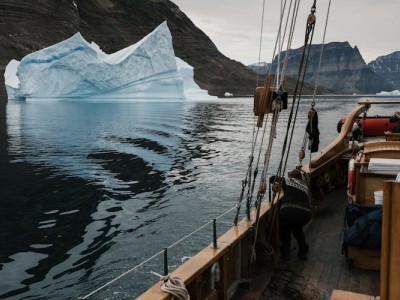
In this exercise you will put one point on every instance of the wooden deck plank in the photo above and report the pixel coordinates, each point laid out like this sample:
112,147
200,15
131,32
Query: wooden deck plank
327,278
344,283
326,268
344,295
355,282
365,282
326,230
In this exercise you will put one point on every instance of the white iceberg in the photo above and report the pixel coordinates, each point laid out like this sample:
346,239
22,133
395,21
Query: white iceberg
191,89
75,68
392,93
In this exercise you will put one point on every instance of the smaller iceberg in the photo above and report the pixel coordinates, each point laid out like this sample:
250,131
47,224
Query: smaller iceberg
75,68
392,93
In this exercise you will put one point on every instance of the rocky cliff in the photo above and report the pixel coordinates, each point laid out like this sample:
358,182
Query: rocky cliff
343,69
116,24
388,67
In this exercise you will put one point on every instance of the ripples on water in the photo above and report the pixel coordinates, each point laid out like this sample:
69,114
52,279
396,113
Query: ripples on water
89,190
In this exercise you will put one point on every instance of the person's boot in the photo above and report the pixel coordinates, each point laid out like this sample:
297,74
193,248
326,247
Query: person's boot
303,252
285,255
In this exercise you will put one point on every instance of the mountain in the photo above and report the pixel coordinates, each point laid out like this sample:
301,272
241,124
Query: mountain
342,69
260,68
114,25
388,67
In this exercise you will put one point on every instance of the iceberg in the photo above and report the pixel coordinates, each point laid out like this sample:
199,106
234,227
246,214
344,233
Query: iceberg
392,93
75,68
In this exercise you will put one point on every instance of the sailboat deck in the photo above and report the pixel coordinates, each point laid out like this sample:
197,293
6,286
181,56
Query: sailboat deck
326,268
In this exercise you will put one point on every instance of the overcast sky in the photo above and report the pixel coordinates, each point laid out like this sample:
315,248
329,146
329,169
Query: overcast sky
234,25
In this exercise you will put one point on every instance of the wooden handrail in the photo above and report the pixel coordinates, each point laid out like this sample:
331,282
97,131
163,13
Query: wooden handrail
193,269
369,102
340,142
390,261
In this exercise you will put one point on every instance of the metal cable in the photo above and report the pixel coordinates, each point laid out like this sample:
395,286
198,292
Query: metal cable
155,255
261,38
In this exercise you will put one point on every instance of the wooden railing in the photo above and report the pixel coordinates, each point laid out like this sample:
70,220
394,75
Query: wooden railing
233,256
390,257
338,145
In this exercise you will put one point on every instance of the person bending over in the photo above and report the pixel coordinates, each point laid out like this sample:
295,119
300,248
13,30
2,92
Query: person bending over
294,213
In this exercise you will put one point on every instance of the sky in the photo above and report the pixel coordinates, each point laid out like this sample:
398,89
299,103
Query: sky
235,25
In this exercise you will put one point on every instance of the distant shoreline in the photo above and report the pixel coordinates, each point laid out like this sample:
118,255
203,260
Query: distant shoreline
326,96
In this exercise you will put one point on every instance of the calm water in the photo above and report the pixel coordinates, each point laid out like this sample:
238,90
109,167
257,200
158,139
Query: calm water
89,190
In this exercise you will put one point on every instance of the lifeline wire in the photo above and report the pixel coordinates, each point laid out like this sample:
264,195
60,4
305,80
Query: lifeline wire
154,256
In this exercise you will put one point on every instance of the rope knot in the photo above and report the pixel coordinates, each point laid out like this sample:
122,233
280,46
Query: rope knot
277,104
173,286
163,278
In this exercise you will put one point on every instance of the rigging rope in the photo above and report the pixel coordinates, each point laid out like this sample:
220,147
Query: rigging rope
275,119
290,38
295,103
251,190
247,181
301,74
263,186
311,121
261,38
277,106
322,51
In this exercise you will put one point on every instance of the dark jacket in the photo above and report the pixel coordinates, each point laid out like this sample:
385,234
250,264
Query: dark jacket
295,195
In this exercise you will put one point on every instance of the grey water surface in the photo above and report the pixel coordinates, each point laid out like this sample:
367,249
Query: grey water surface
88,190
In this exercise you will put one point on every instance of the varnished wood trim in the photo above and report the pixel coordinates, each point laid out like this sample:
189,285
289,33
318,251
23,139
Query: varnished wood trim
368,101
339,144
345,295
193,268
390,260
380,146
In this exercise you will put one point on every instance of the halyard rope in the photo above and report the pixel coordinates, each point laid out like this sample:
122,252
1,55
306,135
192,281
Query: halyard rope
290,126
247,181
261,38
318,70
276,109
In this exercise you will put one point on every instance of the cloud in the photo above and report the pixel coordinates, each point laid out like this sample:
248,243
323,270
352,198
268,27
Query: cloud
234,25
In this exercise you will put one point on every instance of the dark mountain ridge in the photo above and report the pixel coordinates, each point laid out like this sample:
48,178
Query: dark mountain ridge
114,25
388,67
342,70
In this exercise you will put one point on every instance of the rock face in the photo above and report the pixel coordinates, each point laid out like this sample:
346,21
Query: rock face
114,25
261,68
342,69
388,67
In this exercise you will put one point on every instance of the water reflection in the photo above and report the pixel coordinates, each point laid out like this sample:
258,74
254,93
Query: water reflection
83,176
91,189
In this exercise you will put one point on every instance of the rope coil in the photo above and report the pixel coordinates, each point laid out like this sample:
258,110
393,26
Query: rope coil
173,286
